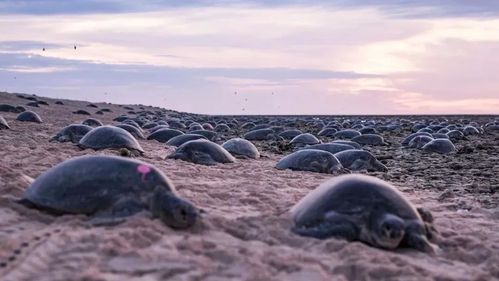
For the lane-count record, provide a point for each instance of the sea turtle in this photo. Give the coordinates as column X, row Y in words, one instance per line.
column 213, row 136
column 239, row 147
column 81, row 112
column 181, row 139
column 3, row 123
column 59, row 102
column 442, row 146
column 164, row 135
column 109, row 137
column 260, row 135
column 330, row 147
column 195, row 127
column 33, row 104
column 136, row 132
column 203, row 152
column 470, row 130
column 348, row 142
column 406, row 141
column 207, row 126
column 9, row 108
column 369, row 139
column 222, row 128
column 29, row 116
column 357, row 159
column 290, row 134
column 327, row 132
column 304, row 139
column 92, row 122
column 312, row 160
column 346, row 134
column 419, row 141
column 72, row 133
column 368, row 130
column 108, row 189
column 455, row 135
column 362, row 208
column 438, row 136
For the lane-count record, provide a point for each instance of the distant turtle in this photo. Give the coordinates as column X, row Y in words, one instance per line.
column 207, row 126
column 455, row 135
column 92, row 105
column 9, row 108
column 239, row 147
column 181, row 139
column 59, row 102
column 164, row 135
column 327, row 132
column 312, row 160
column 222, row 128
column 347, row 134
column 437, row 136
column 290, row 134
column 470, row 130
column 368, row 130
column 419, row 141
column 3, row 123
column 33, row 104
column 72, row 133
column 136, row 132
column 29, row 116
column 260, row 135
column 203, row 152
column 362, row 208
column 81, row 112
column 348, row 142
column 213, row 136
column 149, row 125
column 157, row 128
column 304, row 139
column 330, row 147
column 92, row 122
column 369, row 139
column 406, row 141
column 442, row 146
column 109, row 137
column 109, row 189
column 356, row 160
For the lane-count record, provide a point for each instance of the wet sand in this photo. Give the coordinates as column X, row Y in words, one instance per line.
column 245, row 233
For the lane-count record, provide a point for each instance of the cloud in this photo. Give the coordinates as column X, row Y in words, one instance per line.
column 396, row 8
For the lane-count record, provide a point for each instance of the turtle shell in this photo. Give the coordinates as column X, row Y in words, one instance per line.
column 87, row 184
column 109, row 137
column 354, row 195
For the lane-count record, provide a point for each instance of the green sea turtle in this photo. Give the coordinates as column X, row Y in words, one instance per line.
column 29, row 116
column 136, row 132
column 181, row 139
column 92, row 122
column 239, row 147
column 369, row 139
column 362, row 208
column 442, row 146
column 419, row 141
column 109, row 137
column 164, row 135
column 203, row 152
column 312, row 160
column 72, row 133
column 357, row 159
column 304, row 139
column 109, row 189
column 346, row 134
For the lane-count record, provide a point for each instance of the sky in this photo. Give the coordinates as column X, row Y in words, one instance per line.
column 257, row 57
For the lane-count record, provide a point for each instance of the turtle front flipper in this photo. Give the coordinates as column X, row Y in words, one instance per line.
column 117, row 212
column 334, row 225
column 416, row 237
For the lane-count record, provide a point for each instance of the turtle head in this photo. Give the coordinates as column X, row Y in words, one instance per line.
column 172, row 210
column 389, row 231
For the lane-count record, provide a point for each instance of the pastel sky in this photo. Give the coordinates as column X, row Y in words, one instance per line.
column 257, row 57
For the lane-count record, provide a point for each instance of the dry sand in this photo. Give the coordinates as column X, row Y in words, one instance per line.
column 245, row 233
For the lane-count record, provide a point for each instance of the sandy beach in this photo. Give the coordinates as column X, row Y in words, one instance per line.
column 244, row 234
